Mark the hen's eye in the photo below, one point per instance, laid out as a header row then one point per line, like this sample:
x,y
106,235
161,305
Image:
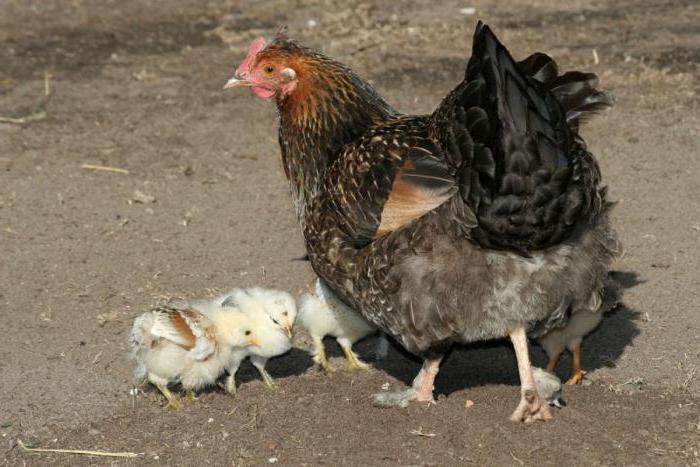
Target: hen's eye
x,y
247,333
269,69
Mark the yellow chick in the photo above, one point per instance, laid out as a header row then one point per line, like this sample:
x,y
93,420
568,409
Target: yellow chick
x,y
173,344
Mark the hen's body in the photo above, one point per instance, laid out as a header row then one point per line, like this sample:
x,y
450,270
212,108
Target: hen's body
x,y
476,222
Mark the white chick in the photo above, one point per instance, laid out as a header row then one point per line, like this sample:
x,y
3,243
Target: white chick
x,y
279,305
548,386
273,312
325,315
581,322
181,344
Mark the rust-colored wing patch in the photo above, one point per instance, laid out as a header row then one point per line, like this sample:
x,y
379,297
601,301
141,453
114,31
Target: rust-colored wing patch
x,y
410,198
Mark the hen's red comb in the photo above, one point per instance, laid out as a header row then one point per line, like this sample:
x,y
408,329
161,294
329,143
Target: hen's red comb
x,y
256,46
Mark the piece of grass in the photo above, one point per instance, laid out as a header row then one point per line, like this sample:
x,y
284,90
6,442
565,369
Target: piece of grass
x,y
78,451
104,168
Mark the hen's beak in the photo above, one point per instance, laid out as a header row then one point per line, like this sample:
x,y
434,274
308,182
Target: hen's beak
x,y
237,81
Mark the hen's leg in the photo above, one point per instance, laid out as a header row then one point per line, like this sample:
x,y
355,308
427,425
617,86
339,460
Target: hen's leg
x,y
190,395
576,372
320,355
352,361
421,390
531,406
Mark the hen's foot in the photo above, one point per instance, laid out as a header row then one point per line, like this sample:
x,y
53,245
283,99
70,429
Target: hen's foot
x,y
531,408
190,395
421,390
395,399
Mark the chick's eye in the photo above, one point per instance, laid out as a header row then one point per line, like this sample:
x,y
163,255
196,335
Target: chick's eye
x,y
269,69
247,333
285,313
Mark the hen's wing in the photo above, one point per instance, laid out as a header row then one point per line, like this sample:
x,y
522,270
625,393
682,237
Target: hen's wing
x,y
187,328
392,175
524,172
501,138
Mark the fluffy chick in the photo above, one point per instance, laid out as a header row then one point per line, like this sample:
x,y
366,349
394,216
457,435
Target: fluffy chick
x,y
273,313
325,315
548,386
581,322
272,341
279,305
182,344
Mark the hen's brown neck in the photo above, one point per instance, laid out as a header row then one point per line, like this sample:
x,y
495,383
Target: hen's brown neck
x,y
330,107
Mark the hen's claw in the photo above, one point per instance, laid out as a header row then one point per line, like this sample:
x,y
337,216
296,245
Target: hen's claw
x,y
395,399
531,408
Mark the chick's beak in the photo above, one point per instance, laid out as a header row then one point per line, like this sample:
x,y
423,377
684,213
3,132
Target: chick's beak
x,y
252,341
237,80
288,330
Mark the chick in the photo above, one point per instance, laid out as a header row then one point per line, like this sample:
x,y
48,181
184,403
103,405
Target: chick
x,y
582,321
279,305
325,315
273,312
182,344
548,387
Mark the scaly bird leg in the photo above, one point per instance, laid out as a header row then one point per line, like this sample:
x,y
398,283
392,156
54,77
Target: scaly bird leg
x,y
352,361
531,406
420,390
230,385
320,356
266,378
190,395
173,401
576,372
552,363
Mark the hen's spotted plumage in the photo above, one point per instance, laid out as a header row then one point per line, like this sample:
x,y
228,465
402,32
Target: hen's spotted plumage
x,y
474,222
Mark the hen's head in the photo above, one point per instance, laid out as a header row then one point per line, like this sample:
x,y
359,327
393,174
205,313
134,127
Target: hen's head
x,y
270,68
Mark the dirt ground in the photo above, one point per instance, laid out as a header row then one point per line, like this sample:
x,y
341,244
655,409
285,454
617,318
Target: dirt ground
x,y
202,205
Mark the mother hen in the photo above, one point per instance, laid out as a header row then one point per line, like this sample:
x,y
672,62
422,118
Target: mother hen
x,y
482,220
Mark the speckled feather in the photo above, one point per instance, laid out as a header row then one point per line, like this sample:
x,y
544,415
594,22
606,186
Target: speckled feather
x,y
456,226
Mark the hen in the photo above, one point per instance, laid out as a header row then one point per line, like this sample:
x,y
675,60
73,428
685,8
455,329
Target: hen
x,y
482,220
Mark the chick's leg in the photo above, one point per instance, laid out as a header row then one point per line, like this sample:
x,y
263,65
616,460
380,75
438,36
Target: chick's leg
x,y
576,372
173,401
420,390
352,361
259,363
531,406
320,355
190,394
230,385
552,363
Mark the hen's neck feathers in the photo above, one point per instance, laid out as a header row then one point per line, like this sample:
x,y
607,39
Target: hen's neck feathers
x,y
330,107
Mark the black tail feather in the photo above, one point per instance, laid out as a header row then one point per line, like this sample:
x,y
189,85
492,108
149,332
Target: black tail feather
x,y
576,91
